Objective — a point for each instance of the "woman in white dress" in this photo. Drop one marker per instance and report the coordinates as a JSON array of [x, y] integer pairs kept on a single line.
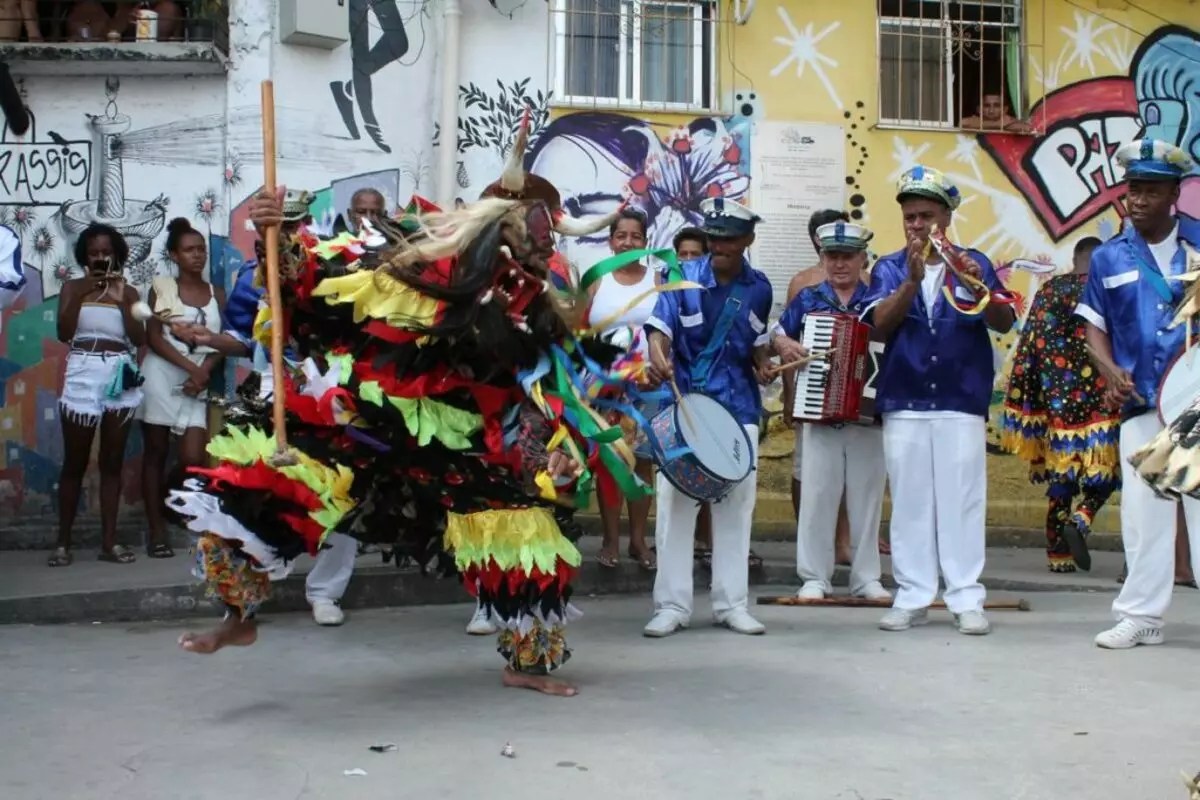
[[610, 298], [177, 371]]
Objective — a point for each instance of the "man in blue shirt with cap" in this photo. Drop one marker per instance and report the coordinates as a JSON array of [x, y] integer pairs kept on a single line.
[[1128, 304], [933, 391], [840, 460], [712, 341]]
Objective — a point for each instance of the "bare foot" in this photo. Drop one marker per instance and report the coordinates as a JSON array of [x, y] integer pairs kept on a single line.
[[539, 683], [231, 632]]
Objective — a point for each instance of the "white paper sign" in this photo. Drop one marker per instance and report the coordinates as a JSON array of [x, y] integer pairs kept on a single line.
[[798, 168]]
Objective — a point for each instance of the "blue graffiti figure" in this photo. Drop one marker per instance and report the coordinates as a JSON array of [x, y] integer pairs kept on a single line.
[[1166, 77]]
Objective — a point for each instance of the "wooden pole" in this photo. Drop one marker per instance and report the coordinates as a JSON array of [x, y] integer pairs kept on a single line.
[[863, 602], [273, 291]]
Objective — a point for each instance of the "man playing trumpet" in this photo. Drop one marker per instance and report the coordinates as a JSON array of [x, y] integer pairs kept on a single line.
[[838, 457], [936, 305]]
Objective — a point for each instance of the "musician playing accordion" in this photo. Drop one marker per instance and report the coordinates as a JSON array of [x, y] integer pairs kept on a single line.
[[712, 341], [837, 457], [1129, 305], [933, 392]]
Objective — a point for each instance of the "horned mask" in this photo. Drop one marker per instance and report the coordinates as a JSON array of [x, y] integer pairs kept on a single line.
[[517, 184]]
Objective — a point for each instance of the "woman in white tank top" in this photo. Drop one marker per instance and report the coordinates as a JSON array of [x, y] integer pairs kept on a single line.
[[610, 295]]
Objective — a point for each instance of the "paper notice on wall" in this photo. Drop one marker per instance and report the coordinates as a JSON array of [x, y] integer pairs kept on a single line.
[[797, 168]]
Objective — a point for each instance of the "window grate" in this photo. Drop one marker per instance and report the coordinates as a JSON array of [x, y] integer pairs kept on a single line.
[[652, 55], [953, 65]]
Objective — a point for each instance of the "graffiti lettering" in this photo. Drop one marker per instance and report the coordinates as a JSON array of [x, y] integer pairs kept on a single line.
[[1079, 159], [44, 173]]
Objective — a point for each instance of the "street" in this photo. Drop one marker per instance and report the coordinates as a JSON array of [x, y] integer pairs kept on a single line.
[[824, 707]]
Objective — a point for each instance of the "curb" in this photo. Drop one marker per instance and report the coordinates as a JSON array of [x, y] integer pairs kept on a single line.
[[387, 586]]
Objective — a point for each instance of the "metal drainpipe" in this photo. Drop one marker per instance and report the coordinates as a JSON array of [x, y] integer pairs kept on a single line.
[[448, 148]]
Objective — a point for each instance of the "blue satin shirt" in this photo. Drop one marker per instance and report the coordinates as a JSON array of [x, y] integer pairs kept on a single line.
[[935, 361], [1121, 300], [689, 316], [241, 307], [820, 299]]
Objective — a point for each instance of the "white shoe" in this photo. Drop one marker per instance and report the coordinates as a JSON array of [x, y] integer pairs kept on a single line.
[[663, 624], [1128, 634], [972, 623], [739, 621], [901, 619], [812, 590], [328, 613], [481, 623], [874, 591]]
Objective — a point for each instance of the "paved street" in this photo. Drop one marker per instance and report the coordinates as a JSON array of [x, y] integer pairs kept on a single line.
[[825, 706]]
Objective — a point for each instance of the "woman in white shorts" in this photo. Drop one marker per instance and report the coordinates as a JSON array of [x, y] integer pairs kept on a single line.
[[101, 385], [177, 371]]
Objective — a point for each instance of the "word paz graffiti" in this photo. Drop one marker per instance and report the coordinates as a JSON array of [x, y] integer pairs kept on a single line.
[[1069, 176], [43, 173]]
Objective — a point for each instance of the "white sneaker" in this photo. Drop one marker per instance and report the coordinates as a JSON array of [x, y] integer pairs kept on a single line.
[[972, 623], [901, 619], [1128, 634], [481, 623], [663, 624], [739, 621], [874, 591], [812, 590], [328, 613]]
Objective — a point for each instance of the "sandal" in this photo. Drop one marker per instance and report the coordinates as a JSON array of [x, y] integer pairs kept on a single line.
[[1186, 583], [702, 554], [160, 550], [885, 548], [608, 562], [755, 560], [61, 557], [648, 562], [120, 554]]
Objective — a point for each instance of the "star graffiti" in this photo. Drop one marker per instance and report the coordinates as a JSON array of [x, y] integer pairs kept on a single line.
[[803, 52]]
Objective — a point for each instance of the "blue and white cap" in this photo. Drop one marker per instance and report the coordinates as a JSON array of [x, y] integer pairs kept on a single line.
[[1153, 160], [844, 237], [727, 219]]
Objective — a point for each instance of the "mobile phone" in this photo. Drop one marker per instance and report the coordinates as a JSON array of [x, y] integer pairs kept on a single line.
[[102, 266]]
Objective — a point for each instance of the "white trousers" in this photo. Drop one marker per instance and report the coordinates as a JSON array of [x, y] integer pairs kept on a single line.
[[937, 469], [331, 574], [674, 537], [837, 460], [1148, 533]]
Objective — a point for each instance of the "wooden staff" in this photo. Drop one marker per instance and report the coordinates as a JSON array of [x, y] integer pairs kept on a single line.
[[863, 602], [282, 457]]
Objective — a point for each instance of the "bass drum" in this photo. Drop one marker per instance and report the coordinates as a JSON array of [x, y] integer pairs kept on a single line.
[[1180, 386]]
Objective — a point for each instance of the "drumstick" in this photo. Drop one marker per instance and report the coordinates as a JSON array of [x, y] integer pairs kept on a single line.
[[682, 407], [812, 356], [272, 247], [864, 602], [1097, 361]]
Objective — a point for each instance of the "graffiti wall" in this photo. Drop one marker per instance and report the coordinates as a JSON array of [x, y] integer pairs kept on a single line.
[[134, 153], [1091, 81]]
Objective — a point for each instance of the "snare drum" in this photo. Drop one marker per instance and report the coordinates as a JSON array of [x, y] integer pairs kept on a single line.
[[718, 453], [1180, 386]]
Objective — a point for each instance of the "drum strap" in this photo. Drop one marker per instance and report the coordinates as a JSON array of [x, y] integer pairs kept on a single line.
[[1153, 276], [702, 368]]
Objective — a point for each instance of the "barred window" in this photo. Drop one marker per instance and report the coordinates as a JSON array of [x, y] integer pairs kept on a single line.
[[945, 64], [655, 55]]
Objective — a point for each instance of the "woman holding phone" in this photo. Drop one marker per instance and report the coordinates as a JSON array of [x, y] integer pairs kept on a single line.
[[102, 386]]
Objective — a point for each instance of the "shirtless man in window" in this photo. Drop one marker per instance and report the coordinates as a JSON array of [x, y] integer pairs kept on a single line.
[[17, 14], [993, 115]]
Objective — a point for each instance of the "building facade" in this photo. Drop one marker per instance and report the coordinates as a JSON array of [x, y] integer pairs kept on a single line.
[[789, 106]]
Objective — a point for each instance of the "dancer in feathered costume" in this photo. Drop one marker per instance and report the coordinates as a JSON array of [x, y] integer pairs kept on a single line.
[[440, 389]]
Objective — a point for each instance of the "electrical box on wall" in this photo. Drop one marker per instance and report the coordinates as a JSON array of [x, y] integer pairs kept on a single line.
[[314, 23]]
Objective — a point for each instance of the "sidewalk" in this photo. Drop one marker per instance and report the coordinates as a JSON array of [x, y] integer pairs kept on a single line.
[[93, 591]]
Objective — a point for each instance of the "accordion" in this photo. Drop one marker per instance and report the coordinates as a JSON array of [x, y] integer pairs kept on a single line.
[[841, 387]]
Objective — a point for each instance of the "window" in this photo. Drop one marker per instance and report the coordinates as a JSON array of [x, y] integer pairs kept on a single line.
[[634, 53], [952, 64]]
